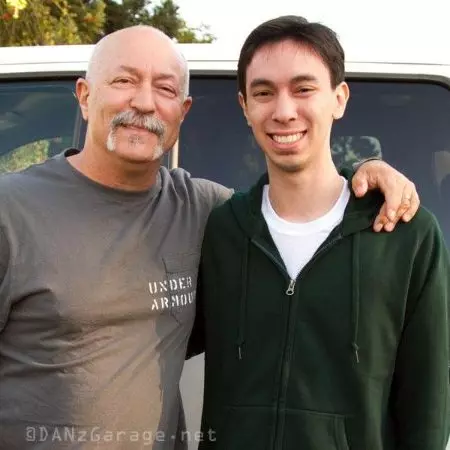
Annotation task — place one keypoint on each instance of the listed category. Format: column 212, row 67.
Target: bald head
column 139, row 38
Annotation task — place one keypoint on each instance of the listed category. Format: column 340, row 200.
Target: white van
column 399, row 110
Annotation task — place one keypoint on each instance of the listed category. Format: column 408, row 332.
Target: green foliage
column 24, row 156
column 166, row 17
column 347, row 150
column 125, row 14
column 53, row 22
column 201, row 35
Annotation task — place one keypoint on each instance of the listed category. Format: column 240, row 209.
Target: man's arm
column 196, row 343
column 4, row 261
column 401, row 198
column 420, row 389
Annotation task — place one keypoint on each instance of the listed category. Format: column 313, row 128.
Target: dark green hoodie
column 353, row 354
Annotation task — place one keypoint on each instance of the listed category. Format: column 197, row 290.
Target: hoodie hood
column 359, row 214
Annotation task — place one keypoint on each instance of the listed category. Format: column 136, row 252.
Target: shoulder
column 195, row 189
column 27, row 181
column 428, row 230
column 423, row 224
column 225, row 216
column 421, row 238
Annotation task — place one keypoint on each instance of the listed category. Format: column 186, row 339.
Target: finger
column 393, row 197
column 413, row 206
column 381, row 219
column 378, row 224
column 404, row 206
column 359, row 184
column 389, row 226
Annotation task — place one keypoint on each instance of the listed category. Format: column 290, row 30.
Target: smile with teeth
column 288, row 139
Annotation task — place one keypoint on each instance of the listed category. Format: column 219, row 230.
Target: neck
column 105, row 168
column 305, row 195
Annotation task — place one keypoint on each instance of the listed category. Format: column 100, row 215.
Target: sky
column 416, row 26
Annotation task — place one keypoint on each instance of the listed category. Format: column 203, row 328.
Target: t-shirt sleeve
column 215, row 193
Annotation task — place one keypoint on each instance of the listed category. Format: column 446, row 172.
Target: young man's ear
column 342, row 95
column 82, row 91
column 244, row 107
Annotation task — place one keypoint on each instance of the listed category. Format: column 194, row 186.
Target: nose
column 285, row 108
column 144, row 100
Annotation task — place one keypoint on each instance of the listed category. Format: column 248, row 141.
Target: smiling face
column 133, row 97
column 290, row 105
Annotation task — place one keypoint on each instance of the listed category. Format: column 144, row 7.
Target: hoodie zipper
column 273, row 259
column 292, row 281
column 287, row 347
column 291, row 288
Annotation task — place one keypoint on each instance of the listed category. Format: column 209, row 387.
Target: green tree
column 200, row 35
column 165, row 16
column 24, row 156
column 50, row 22
column 126, row 13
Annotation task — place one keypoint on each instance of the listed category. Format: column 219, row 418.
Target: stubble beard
column 134, row 140
column 288, row 168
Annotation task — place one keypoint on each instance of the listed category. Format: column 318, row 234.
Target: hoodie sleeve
column 421, row 379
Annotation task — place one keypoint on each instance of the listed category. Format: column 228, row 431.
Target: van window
column 406, row 123
column 37, row 121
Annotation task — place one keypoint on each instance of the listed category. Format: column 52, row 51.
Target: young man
column 320, row 334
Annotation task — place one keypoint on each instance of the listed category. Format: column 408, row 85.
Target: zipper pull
column 291, row 287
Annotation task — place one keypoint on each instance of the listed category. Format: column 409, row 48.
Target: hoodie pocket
column 310, row 430
column 245, row 428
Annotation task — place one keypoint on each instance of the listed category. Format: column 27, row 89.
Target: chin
column 291, row 168
column 142, row 155
column 294, row 165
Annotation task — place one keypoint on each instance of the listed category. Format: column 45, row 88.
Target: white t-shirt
column 298, row 241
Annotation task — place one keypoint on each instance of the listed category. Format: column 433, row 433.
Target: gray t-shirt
column 97, row 299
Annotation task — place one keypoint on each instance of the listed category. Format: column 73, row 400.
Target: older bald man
column 99, row 252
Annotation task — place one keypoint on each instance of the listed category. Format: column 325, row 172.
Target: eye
column 168, row 90
column 304, row 90
column 262, row 93
column 122, row 81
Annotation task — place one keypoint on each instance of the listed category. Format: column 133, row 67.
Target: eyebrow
column 129, row 69
column 258, row 82
column 166, row 76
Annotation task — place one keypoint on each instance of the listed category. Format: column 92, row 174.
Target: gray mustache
column 132, row 119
